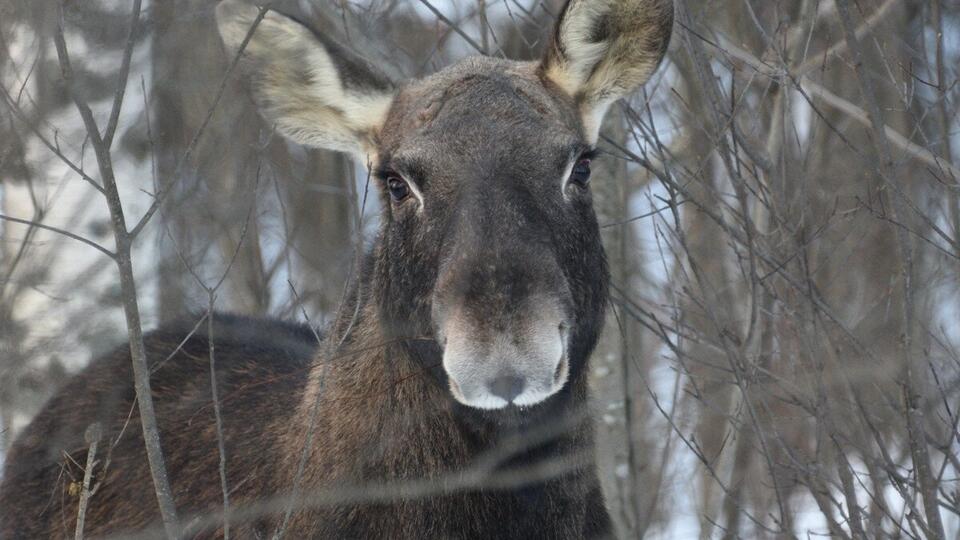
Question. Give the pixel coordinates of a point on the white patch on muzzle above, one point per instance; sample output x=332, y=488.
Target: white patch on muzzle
x=523, y=365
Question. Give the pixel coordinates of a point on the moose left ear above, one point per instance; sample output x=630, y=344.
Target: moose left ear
x=604, y=49
x=313, y=90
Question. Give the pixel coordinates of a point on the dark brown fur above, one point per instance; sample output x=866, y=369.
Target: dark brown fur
x=377, y=428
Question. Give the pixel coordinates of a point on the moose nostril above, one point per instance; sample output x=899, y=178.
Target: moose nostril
x=506, y=387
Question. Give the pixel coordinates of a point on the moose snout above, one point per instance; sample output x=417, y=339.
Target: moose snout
x=521, y=364
x=502, y=315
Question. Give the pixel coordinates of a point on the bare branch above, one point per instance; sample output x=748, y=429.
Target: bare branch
x=837, y=48
x=52, y=146
x=916, y=151
x=63, y=232
x=151, y=432
x=165, y=190
x=456, y=28
x=92, y=438
x=122, y=76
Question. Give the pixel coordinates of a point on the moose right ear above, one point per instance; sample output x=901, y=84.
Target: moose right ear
x=604, y=49
x=312, y=89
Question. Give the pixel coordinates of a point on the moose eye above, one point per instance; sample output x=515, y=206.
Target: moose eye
x=580, y=174
x=399, y=190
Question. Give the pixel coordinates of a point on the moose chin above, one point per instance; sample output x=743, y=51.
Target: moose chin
x=448, y=399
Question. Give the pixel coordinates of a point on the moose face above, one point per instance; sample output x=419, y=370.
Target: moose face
x=487, y=174
x=489, y=242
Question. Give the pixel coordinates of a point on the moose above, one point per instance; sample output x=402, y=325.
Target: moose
x=448, y=398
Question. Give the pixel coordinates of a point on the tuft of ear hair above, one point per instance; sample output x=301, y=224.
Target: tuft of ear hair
x=602, y=50
x=313, y=90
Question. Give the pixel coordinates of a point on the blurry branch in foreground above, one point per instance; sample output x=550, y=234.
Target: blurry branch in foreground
x=101, y=143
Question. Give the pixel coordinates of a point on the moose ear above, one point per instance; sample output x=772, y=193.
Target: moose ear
x=604, y=49
x=312, y=89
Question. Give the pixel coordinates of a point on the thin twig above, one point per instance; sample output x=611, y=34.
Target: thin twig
x=92, y=438
x=63, y=232
x=815, y=89
x=123, y=75
x=52, y=146
x=161, y=196
x=221, y=446
x=456, y=28
x=834, y=50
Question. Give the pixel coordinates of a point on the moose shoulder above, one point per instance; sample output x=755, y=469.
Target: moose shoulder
x=448, y=399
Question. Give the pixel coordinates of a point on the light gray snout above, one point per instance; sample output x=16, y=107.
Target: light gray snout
x=521, y=363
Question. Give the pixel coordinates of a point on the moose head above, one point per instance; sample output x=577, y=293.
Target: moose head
x=489, y=243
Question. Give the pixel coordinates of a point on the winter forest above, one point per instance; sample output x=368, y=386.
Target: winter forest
x=779, y=205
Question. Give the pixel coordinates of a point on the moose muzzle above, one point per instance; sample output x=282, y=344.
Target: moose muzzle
x=515, y=357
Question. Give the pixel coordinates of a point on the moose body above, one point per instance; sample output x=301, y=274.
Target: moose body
x=376, y=430
x=449, y=397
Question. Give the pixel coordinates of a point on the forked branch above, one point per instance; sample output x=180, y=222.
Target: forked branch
x=128, y=289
